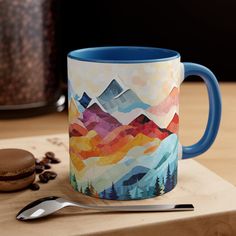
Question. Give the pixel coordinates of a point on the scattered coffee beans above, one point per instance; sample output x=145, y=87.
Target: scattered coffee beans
x=39, y=168
x=46, y=160
x=34, y=187
x=43, y=178
x=41, y=165
x=50, y=175
x=52, y=158
x=50, y=155
x=55, y=161
x=47, y=166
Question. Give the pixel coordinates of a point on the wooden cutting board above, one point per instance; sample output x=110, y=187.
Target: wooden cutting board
x=214, y=200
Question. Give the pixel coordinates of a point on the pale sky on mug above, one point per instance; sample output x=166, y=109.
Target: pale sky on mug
x=152, y=82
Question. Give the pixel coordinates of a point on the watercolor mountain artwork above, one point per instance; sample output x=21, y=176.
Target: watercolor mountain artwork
x=121, y=147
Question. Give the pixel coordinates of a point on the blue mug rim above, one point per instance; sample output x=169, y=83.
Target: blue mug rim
x=123, y=54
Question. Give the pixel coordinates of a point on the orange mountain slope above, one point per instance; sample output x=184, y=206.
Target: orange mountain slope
x=174, y=124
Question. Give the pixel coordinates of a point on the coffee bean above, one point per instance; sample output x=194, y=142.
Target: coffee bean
x=50, y=155
x=47, y=166
x=39, y=168
x=46, y=160
x=50, y=175
x=43, y=162
x=43, y=178
x=55, y=160
x=34, y=187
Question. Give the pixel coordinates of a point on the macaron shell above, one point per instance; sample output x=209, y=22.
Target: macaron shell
x=17, y=169
x=15, y=161
x=13, y=185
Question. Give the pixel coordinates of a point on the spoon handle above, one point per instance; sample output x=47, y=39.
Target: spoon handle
x=143, y=208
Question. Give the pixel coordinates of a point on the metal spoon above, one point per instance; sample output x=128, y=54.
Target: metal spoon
x=48, y=205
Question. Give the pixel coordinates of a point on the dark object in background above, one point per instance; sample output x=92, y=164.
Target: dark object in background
x=201, y=30
x=29, y=74
x=30, y=69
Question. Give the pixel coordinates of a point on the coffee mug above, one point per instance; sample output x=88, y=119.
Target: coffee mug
x=124, y=119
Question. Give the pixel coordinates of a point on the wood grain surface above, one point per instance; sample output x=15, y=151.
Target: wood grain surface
x=212, y=196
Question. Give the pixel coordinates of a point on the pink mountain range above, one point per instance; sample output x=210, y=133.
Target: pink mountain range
x=164, y=107
x=94, y=118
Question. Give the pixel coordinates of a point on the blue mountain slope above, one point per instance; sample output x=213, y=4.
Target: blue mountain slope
x=112, y=90
x=133, y=179
x=85, y=100
x=130, y=178
x=156, y=163
x=169, y=158
x=128, y=101
x=167, y=149
x=114, y=98
x=125, y=102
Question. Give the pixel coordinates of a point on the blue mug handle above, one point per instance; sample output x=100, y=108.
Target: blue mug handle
x=214, y=116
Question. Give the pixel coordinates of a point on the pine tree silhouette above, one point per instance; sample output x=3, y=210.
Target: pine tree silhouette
x=127, y=195
x=163, y=185
x=74, y=182
x=174, y=177
x=73, y=178
x=104, y=194
x=157, y=187
x=138, y=193
x=87, y=190
x=169, y=184
x=113, y=195
x=93, y=192
x=146, y=193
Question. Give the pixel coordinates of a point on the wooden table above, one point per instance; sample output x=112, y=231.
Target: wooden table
x=193, y=115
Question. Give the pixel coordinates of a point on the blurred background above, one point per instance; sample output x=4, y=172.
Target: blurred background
x=202, y=31
x=36, y=35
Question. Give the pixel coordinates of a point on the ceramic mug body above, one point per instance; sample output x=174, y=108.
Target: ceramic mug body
x=123, y=121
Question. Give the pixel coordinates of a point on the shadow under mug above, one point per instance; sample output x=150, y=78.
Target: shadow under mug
x=124, y=120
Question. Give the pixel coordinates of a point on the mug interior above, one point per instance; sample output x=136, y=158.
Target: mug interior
x=123, y=54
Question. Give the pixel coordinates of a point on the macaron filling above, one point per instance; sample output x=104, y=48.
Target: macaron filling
x=16, y=177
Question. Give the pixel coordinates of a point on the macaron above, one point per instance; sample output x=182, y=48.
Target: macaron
x=17, y=169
